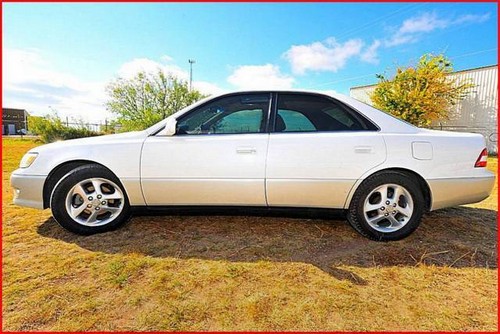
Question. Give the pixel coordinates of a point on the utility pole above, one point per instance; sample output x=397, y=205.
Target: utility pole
x=191, y=62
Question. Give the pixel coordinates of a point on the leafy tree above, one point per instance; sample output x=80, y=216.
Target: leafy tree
x=421, y=94
x=50, y=128
x=147, y=99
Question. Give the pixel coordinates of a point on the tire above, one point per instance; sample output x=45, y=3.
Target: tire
x=388, y=217
x=88, y=200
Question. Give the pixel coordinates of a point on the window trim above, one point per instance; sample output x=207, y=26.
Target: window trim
x=353, y=112
x=265, y=115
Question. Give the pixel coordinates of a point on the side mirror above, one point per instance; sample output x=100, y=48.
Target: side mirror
x=170, y=127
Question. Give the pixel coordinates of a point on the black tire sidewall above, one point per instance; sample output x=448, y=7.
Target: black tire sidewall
x=356, y=213
x=58, y=200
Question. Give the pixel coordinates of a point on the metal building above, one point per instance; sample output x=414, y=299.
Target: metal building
x=476, y=113
x=14, y=120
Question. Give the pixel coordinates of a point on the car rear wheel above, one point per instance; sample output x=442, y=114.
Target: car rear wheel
x=387, y=206
x=88, y=200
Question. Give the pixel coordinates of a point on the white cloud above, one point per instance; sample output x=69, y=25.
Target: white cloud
x=329, y=55
x=410, y=29
x=207, y=88
x=166, y=58
x=424, y=23
x=472, y=18
x=370, y=54
x=414, y=27
x=30, y=82
x=260, y=77
x=134, y=66
x=130, y=69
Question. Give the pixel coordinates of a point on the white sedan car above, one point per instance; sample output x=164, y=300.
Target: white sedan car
x=269, y=149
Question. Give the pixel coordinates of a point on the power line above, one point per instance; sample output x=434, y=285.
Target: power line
x=473, y=53
x=345, y=79
x=373, y=74
x=373, y=22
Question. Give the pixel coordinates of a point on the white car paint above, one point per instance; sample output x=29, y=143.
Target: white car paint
x=278, y=169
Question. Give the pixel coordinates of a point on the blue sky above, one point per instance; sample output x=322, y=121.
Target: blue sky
x=63, y=55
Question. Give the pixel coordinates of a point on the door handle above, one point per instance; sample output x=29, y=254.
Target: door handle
x=246, y=150
x=363, y=149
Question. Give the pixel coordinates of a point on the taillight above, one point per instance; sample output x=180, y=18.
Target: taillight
x=482, y=160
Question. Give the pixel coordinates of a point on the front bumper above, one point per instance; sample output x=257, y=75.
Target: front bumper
x=28, y=190
x=458, y=191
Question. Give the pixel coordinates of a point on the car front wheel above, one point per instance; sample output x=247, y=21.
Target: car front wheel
x=88, y=200
x=387, y=206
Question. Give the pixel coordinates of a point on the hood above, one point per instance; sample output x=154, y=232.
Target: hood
x=97, y=140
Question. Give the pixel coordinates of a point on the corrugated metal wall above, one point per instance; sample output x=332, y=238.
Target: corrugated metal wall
x=476, y=113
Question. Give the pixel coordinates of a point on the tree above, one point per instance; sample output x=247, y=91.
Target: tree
x=421, y=94
x=148, y=98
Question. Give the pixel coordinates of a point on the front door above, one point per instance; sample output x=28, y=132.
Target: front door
x=216, y=157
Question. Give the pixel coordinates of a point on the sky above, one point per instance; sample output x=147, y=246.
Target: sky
x=60, y=57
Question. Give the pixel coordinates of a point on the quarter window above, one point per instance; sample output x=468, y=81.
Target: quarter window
x=227, y=115
x=306, y=113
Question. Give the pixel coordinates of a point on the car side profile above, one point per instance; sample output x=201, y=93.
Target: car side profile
x=273, y=149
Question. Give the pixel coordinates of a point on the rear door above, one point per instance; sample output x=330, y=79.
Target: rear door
x=317, y=150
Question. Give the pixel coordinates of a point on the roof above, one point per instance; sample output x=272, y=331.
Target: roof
x=13, y=109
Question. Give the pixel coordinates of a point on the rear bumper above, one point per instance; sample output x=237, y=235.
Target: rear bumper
x=457, y=191
x=28, y=190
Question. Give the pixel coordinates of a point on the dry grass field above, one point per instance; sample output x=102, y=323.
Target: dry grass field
x=246, y=272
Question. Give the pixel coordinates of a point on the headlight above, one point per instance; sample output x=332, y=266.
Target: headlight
x=28, y=159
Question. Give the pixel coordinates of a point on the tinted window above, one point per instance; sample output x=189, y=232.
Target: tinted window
x=304, y=113
x=243, y=121
x=294, y=121
x=231, y=114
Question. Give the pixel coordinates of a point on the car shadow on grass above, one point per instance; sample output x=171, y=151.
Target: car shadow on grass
x=455, y=237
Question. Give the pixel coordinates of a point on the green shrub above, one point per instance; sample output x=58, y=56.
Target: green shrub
x=50, y=128
x=422, y=93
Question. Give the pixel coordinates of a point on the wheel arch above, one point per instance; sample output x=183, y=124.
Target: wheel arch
x=58, y=172
x=424, y=186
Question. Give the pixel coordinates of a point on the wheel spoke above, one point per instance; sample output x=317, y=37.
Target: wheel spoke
x=93, y=217
x=114, y=195
x=371, y=207
x=78, y=190
x=397, y=193
x=97, y=185
x=75, y=212
x=394, y=222
x=405, y=211
x=376, y=219
x=110, y=209
x=383, y=193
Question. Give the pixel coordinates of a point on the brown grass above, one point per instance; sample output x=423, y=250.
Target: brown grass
x=247, y=272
